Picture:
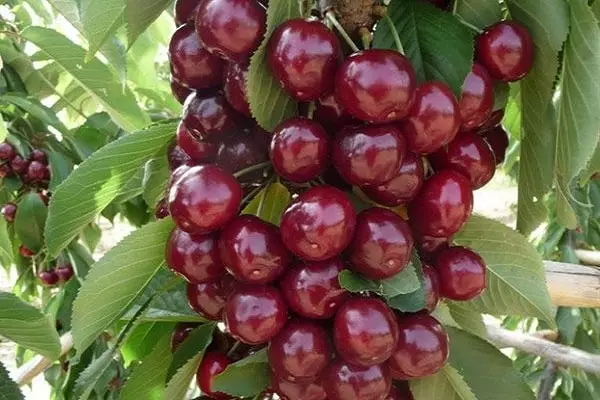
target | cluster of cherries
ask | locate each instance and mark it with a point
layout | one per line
(61, 273)
(400, 143)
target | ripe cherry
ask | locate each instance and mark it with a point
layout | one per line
(26, 252)
(177, 157)
(300, 351)
(365, 331)
(506, 50)
(204, 199)
(231, 29)
(179, 91)
(254, 314)
(477, 98)
(368, 155)
(181, 332)
(39, 155)
(498, 140)
(198, 150)
(9, 210)
(7, 151)
(344, 381)
(303, 55)
(319, 224)
(195, 257)
(376, 85)
(300, 149)
(400, 391)
(48, 278)
(462, 273)
(208, 116)
(208, 299)
(293, 390)
(313, 290)
(5, 170)
(442, 206)
(234, 86)
(493, 121)
(36, 172)
(434, 118)
(64, 272)
(422, 347)
(185, 11)
(330, 114)
(191, 64)
(19, 165)
(468, 154)
(431, 284)
(244, 149)
(212, 364)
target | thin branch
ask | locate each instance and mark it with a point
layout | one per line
(589, 257)
(38, 364)
(331, 17)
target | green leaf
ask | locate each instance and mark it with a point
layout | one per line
(480, 13)
(91, 375)
(516, 282)
(437, 44)
(467, 319)
(97, 181)
(592, 168)
(33, 106)
(3, 130)
(404, 282)
(60, 168)
(269, 103)
(156, 177)
(177, 387)
(132, 188)
(245, 378)
(91, 236)
(27, 326)
(100, 19)
(488, 372)
(578, 122)
(197, 342)
(139, 14)
(270, 203)
(143, 338)
(116, 280)
(94, 76)
(447, 384)
(8, 388)
(6, 248)
(29, 221)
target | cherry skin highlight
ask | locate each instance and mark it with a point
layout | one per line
(208, 299)
(234, 86)
(9, 210)
(199, 150)
(212, 364)
(194, 257)
(477, 98)
(179, 91)
(344, 381)
(64, 272)
(208, 116)
(462, 273)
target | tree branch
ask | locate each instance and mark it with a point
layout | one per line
(39, 364)
(572, 285)
(589, 257)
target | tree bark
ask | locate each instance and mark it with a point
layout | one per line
(354, 14)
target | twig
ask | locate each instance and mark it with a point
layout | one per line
(547, 384)
(572, 285)
(39, 364)
(589, 257)
(252, 168)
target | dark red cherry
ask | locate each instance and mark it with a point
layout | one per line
(442, 206)
(429, 246)
(175, 175)
(162, 209)
(185, 11)
(300, 149)
(208, 116)
(7, 151)
(9, 210)
(39, 155)
(422, 348)
(506, 50)
(198, 150)
(330, 114)
(400, 391)
(48, 278)
(431, 283)
(177, 157)
(403, 187)
(5, 170)
(36, 171)
(468, 154)
(376, 85)
(368, 155)
(208, 299)
(319, 224)
(365, 331)
(293, 390)
(195, 257)
(25, 252)
(303, 55)
(231, 29)
(212, 364)
(498, 140)
(244, 149)
(255, 313)
(191, 64)
(179, 91)
(477, 98)
(181, 332)
(252, 250)
(313, 290)
(64, 272)
(382, 244)
(493, 121)
(462, 273)
(204, 199)
(434, 118)
(19, 165)
(234, 86)
(344, 381)
(300, 351)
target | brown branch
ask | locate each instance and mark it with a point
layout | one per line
(39, 364)
(572, 285)
(547, 384)
(352, 14)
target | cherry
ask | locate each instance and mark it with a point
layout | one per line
(234, 86)
(177, 157)
(252, 250)
(477, 98)
(175, 176)
(303, 55)
(330, 114)
(191, 64)
(198, 150)
(344, 381)
(208, 299)
(462, 273)
(300, 351)
(498, 140)
(431, 284)
(422, 347)
(39, 155)
(185, 11)
(319, 224)
(181, 332)
(506, 50)
(179, 91)
(300, 149)
(204, 199)
(25, 252)
(244, 149)
(161, 210)
(9, 210)
(5, 170)
(368, 155)
(400, 391)
(19, 165)
(64, 272)
(442, 206)
(434, 118)
(212, 364)
(294, 390)
(254, 314)
(231, 29)
(376, 85)
(48, 278)
(208, 116)
(195, 257)
(313, 290)
(493, 121)
(36, 172)
(7, 151)
(468, 154)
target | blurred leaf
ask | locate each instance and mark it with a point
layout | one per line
(92, 373)
(406, 281)
(29, 221)
(178, 386)
(197, 342)
(3, 130)
(143, 338)
(6, 250)
(582, 392)
(100, 20)
(245, 378)
(91, 236)
(156, 177)
(446, 384)
(36, 109)
(132, 188)
(467, 319)
(568, 321)
(9, 390)
(480, 13)
(270, 203)
(60, 168)
(139, 14)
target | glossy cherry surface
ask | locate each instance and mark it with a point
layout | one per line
(477, 98)
(179, 91)
(468, 154)
(493, 121)
(400, 391)
(300, 149)
(198, 150)
(368, 155)
(19, 165)
(212, 364)
(9, 210)
(231, 29)
(39, 155)
(208, 116)
(442, 206)
(208, 299)
(422, 347)
(330, 114)
(25, 252)
(234, 86)
(177, 157)
(303, 55)
(204, 199)
(185, 11)
(194, 256)
(313, 290)
(244, 149)
(293, 390)
(344, 381)
(7, 151)
(48, 277)
(252, 250)
(498, 140)
(36, 172)
(319, 223)
(300, 351)
(506, 50)
(254, 314)
(431, 284)
(64, 272)
(181, 332)
(462, 273)
(376, 85)
(434, 118)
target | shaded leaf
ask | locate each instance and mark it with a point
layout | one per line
(245, 378)
(33, 106)
(143, 338)
(467, 319)
(9, 390)
(29, 221)
(197, 342)
(447, 384)
(100, 20)
(404, 282)
(178, 386)
(156, 177)
(91, 375)
(480, 13)
(270, 203)
(139, 14)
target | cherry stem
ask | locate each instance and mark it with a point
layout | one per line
(395, 35)
(233, 348)
(252, 168)
(261, 203)
(366, 37)
(311, 109)
(331, 17)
